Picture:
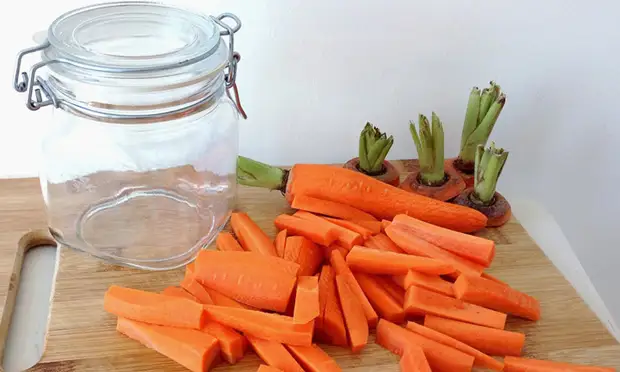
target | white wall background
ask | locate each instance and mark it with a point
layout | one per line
(313, 72)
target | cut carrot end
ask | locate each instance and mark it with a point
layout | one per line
(355, 320)
(345, 237)
(274, 354)
(414, 360)
(319, 233)
(226, 242)
(251, 237)
(305, 253)
(306, 300)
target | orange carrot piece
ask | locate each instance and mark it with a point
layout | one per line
(488, 340)
(440, 357)
(274, 354)
(354, 318)
(513, 364)
(153, 308)
(192, 349)
(264, 282)
(266, 368)
(197, 290)
(480, 358)
(251, 237)
(383, 243)
(431, 282)
(328, 250)
(491, 277)
(330, 208)
(341, 268)
(383, 303)
(280, 242)
(306, 300)
(407, 241)
(414, 360)
(313, 358)
(390, 287)
(223, 300)
(420, 300)
(373, 261)
(305, 253)
(226, 242)
(347, 238)
(385, 224)
(178, 292)
(267, 326)
(373, 226)
(319, 233)
(471, 247)
(492, 295)
(353, 226)
(330, 326)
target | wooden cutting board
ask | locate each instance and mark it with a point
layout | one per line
(81, 336)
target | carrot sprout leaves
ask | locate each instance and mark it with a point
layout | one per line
(489, 164)
(374, 147)
(254, 173)
(429, 143)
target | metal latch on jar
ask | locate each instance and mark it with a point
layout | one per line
(38, 93)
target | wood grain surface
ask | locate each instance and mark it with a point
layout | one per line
(82, 337)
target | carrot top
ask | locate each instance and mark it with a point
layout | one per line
(429, 144)
(374, 147)
(488, 166)
(254, 173)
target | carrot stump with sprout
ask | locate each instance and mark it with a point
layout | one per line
(482, 196)
(433, 178)
(373, 149)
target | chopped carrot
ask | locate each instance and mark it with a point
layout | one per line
(419, 300)
(335, 246)
(373, 261)
(264, 282)
(267, 326)
(488, 340)
(251, 237)
(431, 282)
(392, 288)
(313, 358)
(306, 300)
(353, 226)
(330, 326)
(491, 277)
(266, 368)
(194, 350)
(342, 269)
(153, 308)
(385, 224)
(305, 253)
(383, 303)
(354, 318)
(480, 358)
(274, 354)
(190, 268)
(471, 247)
(319, 233)
(383, 243)
(280, 242)
(374, 226)
(226, 242)
(330, 208)
(440, 357)
(407, 241)
(347, 238)
(178, 292)
(492, 295)
(223, 300)
(532, 365)
(197, 290)
(414, 360)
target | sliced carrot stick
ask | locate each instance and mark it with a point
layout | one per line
(431, 282)
(492, 295)
(264, 282)
(414, 360)
(313, 358)
(192, 349)
(306, 300)
(266, 368)
(305, 253)
(330, 326)
(280, 242)
(223, 300)
(471, 247)
(251, 237)
(335, 246)
(373, 226)
(347, 238)
(153, 308)
(440, 357)
(178, 292)
(407, 241)
(532, 365)
(383, 243)
(353, 226)
(267, 326)
(487, 340)
(319, 233)
(197, 290)
(373, 261)
(390, 287)
(341, 268)
(274, 354)
(385, 224)
(383, 303)
(480, 358)
(420, 300)
(354, 318)
(330, 208)
(226, 242)
(491, 277)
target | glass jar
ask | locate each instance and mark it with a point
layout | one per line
(138, 162)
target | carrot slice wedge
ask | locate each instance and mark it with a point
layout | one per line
(330, 327)
(305, 253)
(266, 368)
(383, 243)
(322, 234)
(306, 300)
(226, 242)
(513, 364)
(330, 208)
(431, 282)
(353, 226)
(280, 242)
(347, 238)
(385, 305)
(414, 360)
(313, 358)
(250, 235)
(354, 318)
(274, 354)
(373, 261)
(197, 290)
